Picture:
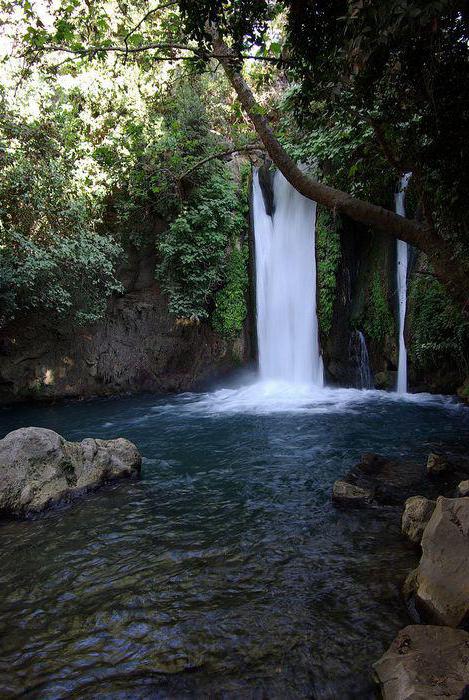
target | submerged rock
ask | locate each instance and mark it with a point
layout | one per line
(345, 493)
(440, 584)
(418, 511)
(447, 469)
(425, 662)
(385, 481)
(437, 464)
(38, 467)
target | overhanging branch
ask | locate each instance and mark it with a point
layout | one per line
(222, 154)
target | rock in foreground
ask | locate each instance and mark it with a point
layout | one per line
(38, 468)
(440, 584)
(417, 513)
(425, 662)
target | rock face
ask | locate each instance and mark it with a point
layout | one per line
(137, 346)
(418, 511)
(425, 662)
(440, 584)
(38, 468)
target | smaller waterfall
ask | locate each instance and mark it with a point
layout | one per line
(402, 262)
(359, 357)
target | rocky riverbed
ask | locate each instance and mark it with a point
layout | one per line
(428, 660)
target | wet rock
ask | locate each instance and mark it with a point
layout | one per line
(38, 467)
(447, 469)
(463, 488)
(440, 584)
(348, 494)
(387, 481)
(425, 662)
(437, 464)
(418, 511)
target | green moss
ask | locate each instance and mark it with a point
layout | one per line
(230, 302)
(328, 254)
(438, 331)
(379, 320)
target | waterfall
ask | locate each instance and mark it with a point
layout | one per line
(287, 325)
(402, 260)
(359, 356)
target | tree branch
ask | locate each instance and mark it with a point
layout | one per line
(146, 16)
(93, 50)
(407, 230)
(221, 154)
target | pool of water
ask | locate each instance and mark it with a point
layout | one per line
(224, 571)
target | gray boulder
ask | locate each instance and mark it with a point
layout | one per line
(418, 511)
(440, 584)
(425, 662)
(463, 488)
(38, 467)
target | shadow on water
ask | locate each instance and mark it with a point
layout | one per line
(224, 571)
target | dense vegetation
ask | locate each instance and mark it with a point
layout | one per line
(129, 105)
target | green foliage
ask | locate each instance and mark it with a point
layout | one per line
(328, 254)
(379, 320)
(394, 78)
(193, 248)
(230, 302)
(52, 260)
(439, 331)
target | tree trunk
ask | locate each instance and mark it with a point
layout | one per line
(420, 235)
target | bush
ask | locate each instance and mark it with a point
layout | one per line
(230, 302)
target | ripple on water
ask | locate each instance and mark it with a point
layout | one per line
(225, 569)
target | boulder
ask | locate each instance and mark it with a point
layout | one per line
(424, 662)
(440, 584)
(418, 511)
(463, 488)
(38, 467)
(345, 493)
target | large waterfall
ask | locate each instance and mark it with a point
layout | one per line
(287, 325)
(402, 262)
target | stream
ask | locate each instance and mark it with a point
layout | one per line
(225, 571)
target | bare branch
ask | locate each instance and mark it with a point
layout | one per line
(241, 149)
(146, 16)
(93, 50)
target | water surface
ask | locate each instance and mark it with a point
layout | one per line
(224, 571)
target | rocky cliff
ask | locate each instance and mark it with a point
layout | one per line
(137, 346)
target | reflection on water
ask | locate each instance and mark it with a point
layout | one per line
(224, 571)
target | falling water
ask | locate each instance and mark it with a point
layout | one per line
(287, 325)
(359, 356)
(402, 258)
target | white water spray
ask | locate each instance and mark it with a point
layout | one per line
(287, 325)
(402, 262)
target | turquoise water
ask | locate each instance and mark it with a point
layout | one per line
(224, 571)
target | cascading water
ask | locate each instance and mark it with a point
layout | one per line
(402, 261)
(287, 325)
(359, 357)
